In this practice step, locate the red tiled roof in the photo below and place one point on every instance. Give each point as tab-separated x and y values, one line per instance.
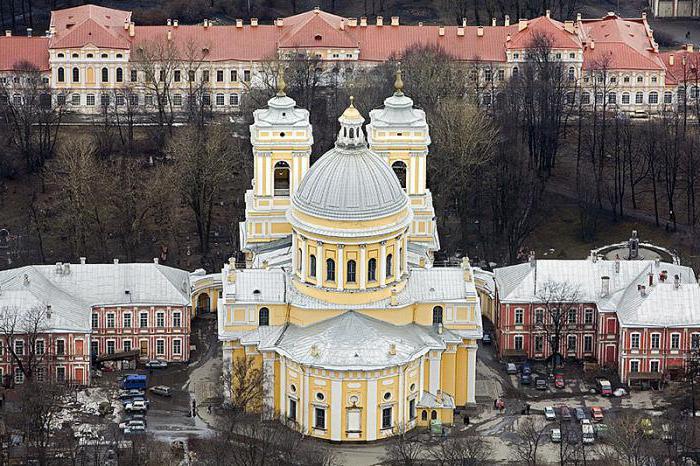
554	30
315	29
685	68
625	41
223	42
89	24
17	49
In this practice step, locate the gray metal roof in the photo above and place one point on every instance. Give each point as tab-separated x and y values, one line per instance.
350	183
354	341
398	112
281	112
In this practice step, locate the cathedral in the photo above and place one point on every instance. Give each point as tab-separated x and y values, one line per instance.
359	337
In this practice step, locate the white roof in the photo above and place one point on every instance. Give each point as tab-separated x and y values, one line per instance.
429	400
351	341
281	112
663	306
398	112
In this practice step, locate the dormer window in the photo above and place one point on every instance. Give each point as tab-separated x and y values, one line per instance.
318	37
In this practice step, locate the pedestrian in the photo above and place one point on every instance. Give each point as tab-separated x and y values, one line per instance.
209	409
495	403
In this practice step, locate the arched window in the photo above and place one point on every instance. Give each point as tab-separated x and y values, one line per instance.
400	170
433	415
424	415
330	270
312	266
61	75
437	315
281	179
264	317
352	133
105	75
515	71
352	269
389	265
585	98
639	98
612	98
653	97
372	270
299	259
120	75
76	75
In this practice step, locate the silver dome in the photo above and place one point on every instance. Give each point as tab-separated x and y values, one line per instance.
350	183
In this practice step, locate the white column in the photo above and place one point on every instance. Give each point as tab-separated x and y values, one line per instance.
434	382
396	270
401	418
382	264
340	268
268	174
283	389
404	266
319	264
363	266
293	174
471	374
304	258
421	376
304	404
269	383
295	254
336	411
372	409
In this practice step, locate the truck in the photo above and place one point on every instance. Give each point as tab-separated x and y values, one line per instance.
587	431
604	387
134	381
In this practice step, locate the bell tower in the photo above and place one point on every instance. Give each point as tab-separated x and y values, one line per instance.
281	136
399	133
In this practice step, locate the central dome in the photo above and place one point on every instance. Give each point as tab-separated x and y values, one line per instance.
350	183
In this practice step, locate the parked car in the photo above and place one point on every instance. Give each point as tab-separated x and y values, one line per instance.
603	386
486	339
565	413
162	390
601	430
555	435
620	392
580	414
135	398
549	413
128	394
597	413
646	426
136	416
559	381
511	368
587	431
525	379
541	384
156	364
136	406
135	430
132	423
526	369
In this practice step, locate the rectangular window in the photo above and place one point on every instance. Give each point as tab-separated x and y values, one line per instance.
654	366
40	373
354	420
19	376
634	366
501	75
519	317
386	417
319	418
539	316
126	345
571	343
95	320
177	347
110	347
675	341
234	99
177	100
104	100
191	75
19	347
668	97
625	98
127	320
205	76
292	413
133	100
220	100
588	316
60	347
75	99
90	100
639	98
160	347
571	319
39	347
177	319
143	320
587	343
246	75
487	75
149	99
412	408
655	341
61	374
539	343
518	340
61	99
160	319
234	75
134	76
110	320
177	75
119	100
219	76
206	99
634	341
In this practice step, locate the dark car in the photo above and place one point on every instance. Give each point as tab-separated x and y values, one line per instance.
525	379
541	384
526	369
580	414
486	339
156	364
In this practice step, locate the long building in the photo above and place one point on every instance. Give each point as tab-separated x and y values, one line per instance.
93	57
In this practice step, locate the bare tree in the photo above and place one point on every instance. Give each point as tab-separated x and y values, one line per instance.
629	442
25	338
555	299
244	383
470	450
405	448
530	436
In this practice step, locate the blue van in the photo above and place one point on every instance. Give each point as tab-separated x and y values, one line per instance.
134	381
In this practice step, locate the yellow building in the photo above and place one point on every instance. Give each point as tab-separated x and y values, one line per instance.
358	335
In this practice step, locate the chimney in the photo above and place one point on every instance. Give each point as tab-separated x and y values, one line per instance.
569	27
126	25
611	14
493	22
592	45
676	281
254	22
394	20
59	268
352	22
651	279
169	22
280	22
548	13
480	31
642	291
508	38
689	48
464	22
439	328
644	15
507	21
29	33
466	269
394	300
132	30
657	262
380	21
616	265
392	349
532	259
522	24
206	23
116	261
48	311
363	21
239	23
578	17
155	260
604	286
460	31
176	23
441	31
8	33
231	270
420	24
26	279
66	268
170	35
671	60
83	260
